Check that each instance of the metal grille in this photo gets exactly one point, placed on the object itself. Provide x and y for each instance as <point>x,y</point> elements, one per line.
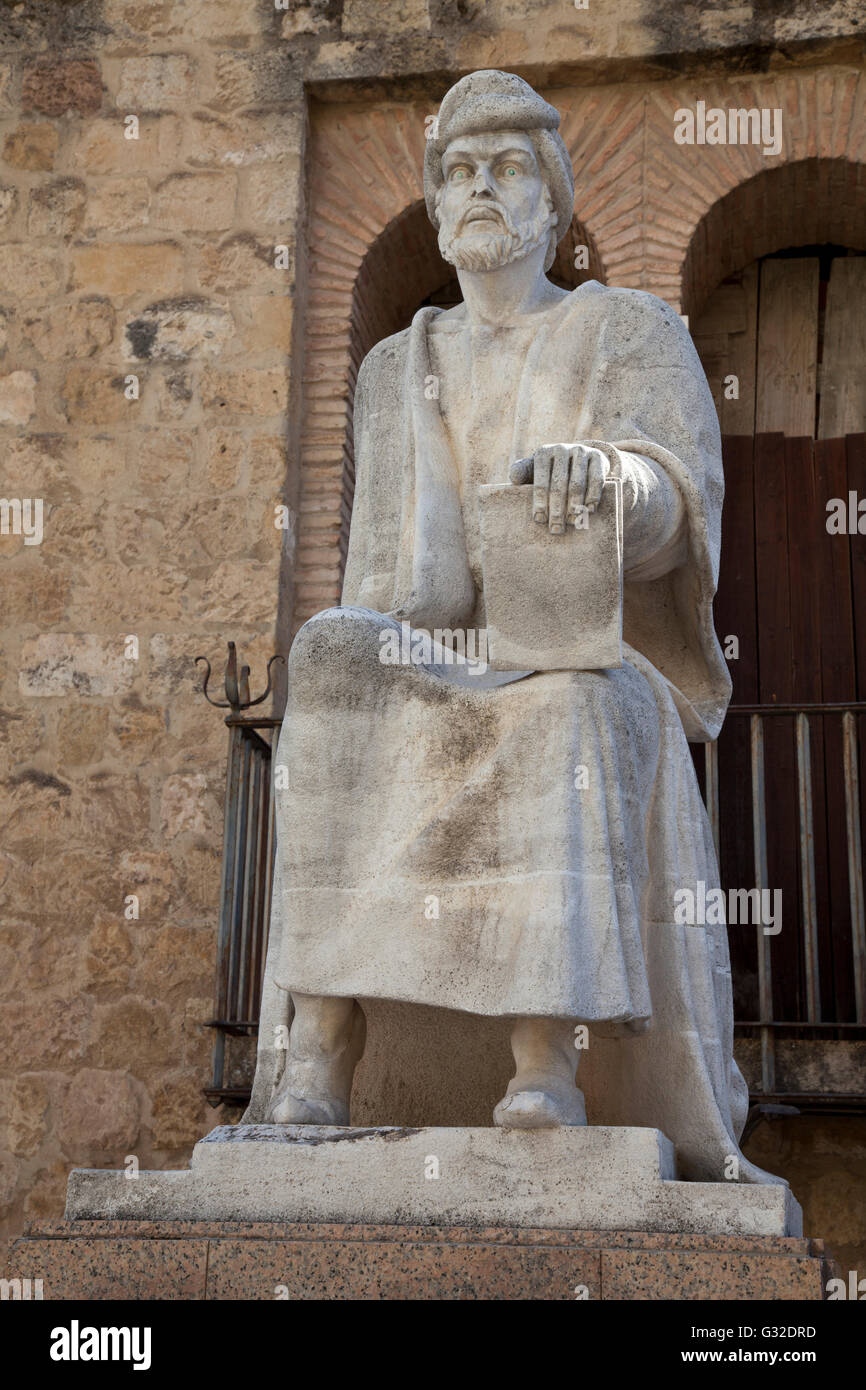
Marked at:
<point>818,932</point>
<point>245,900</point>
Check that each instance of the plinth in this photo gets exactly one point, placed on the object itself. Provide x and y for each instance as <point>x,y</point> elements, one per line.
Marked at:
<point>270,1212</point>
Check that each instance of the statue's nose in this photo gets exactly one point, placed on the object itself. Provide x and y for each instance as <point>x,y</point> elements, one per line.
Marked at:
<point>481,184</point>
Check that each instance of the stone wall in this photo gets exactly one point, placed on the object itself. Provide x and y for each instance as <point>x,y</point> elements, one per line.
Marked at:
<point>144,397</point>
<point>155,273</point>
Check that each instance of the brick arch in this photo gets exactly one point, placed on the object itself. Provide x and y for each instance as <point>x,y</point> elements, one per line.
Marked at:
<point>805,202</point>
<point>645,202</point>
<point>686,187</point>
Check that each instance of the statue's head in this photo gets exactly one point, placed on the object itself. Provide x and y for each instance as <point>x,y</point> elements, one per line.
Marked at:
<point>498,180</point>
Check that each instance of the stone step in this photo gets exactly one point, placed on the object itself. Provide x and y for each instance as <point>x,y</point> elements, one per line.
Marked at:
<point>591,1178</point>
<point>245,1261</point>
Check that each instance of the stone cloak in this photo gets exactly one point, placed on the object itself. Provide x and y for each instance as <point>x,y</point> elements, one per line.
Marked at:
<point>405,788</point>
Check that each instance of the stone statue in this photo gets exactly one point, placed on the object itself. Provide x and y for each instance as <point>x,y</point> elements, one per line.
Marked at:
<point>501,842</point>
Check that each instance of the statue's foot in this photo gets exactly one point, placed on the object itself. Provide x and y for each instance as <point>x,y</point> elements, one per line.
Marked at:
<point>289,1109</point>
<point>540,1109</point>
<point>325,1043</point>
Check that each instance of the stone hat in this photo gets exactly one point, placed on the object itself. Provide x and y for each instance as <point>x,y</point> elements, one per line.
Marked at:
<point>493,100</point>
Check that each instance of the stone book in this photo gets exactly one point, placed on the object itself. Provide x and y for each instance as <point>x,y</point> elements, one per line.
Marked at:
<point>544,614</point>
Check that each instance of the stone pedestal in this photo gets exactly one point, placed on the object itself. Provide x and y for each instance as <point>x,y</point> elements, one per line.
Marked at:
<point>270,1211</point>
<point>241,1261</point>
<point>569,1178</point>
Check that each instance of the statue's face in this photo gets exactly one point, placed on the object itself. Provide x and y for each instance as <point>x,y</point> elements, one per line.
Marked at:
<point>494,205</point>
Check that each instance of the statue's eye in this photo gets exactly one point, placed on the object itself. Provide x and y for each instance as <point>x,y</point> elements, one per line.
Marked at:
<point>458,175</point>
<point>510,172</point>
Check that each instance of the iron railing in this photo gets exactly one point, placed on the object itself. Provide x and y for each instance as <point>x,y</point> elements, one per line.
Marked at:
<point>249,847</point>
<point>248,858</point>
<point>245,900</point>
<point>811,1021</point>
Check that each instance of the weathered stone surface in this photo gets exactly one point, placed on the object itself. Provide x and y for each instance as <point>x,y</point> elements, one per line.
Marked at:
<point>225,453</point>
<point>30,272</point>
<point>17,398</point>
<point>251,391</point>
<point>123,270</point>
<point>138,730</point>
<point>45,1189</point>
<point>82,732</point>
<point>60,87</point>
<point>273,191</point>
<point>35,462</point>
<point>305,17</point>
<point>78,329</point>
<point>21,733</point>
<point>32,147</point>
<point>179,959</point>
<point>161,459</point>
<point>108,955</point>
<point>52,1033</point>
<point>132,1035</point>
<point>268,462</point>
<point>156,82</point>
<point>98,462</point>
<point>265,79</point>
<point>28,1111</point>
<point>200,202</point>
<point>7,74</point>
<point>586,1178</point>
<point>102,146</point>
<point>97,397</point>
<point>57,208</point>
<point>240,262</point>
<point>201,873</point>
<point>188,806</point>
<point>174,391</point>
<point>100,1111</point>
<point>233,595</point>
<point>174,330</point>
<point>8,207</point>
<point>153,877</point>
<point>57,663</point>
<point>179,1111</point>
<point>370,17</point>
<point>118,205</point>
<point>269,324</point>
<point>126,599</point>
<point>246,138</point>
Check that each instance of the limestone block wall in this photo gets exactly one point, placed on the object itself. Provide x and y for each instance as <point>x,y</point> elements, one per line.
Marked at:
<point>150,172</point>
<point>178,260</point>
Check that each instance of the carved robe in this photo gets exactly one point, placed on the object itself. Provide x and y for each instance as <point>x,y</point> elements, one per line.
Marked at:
<point>433,844</point>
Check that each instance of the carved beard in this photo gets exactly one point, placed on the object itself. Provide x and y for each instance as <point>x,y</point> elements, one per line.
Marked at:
<point>497,248</point>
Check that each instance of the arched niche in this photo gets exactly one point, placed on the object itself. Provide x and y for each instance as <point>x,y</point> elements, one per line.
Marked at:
<point>775,284</point>
<point>802,203</point>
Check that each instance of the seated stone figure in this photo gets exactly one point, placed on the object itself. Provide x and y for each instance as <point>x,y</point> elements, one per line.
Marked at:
<point>422,783</point>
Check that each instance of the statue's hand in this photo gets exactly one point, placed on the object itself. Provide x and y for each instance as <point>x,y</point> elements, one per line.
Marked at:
<point>565,478</point>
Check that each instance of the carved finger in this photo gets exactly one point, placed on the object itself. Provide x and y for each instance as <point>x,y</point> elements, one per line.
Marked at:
<point>520,472</point>
<point>596,473</point>
<point>577,482</point>
<point>558,488</point>
<point>541,484</point>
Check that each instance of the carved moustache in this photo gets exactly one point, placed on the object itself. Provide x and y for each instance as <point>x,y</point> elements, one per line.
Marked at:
<point>487,212</point>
